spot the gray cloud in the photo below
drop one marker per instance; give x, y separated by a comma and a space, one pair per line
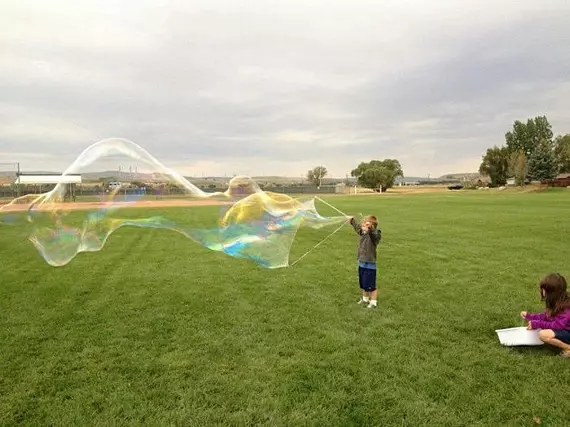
277, 87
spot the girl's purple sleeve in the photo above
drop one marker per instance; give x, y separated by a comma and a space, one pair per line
536, 316
562, 321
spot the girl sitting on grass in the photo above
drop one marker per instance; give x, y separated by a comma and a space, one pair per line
554, 322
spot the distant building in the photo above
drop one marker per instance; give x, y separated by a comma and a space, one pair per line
400, 181
340, 188
562, 180
48, 178
38, 182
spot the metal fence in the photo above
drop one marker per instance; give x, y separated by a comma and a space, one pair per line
12, 190
8, 174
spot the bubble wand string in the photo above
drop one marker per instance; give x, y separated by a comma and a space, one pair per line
317, 245
326, 238
331, 206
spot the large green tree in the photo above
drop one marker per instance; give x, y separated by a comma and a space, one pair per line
562, 153
527, 136
542, 163
495, 165
378, 174
317, 174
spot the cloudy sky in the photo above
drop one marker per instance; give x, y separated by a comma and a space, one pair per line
276, 87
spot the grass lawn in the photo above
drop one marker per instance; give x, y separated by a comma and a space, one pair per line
156, 330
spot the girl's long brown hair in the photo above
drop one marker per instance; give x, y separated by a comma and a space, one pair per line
555, 294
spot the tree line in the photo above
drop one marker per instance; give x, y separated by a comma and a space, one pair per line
530, 153
378, 175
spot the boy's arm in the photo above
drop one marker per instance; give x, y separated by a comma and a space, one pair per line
375, 234
355, 225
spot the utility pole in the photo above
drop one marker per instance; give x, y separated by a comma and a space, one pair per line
18, 178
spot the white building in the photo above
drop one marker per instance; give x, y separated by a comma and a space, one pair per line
41, 179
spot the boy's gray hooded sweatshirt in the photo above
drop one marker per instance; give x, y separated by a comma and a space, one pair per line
367, 243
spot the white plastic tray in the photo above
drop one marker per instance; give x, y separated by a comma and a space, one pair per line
518, 336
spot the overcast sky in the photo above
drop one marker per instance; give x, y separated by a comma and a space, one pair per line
276, 87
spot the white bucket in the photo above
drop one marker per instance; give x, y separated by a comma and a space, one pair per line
518, 336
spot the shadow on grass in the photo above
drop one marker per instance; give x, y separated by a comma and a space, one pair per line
536, 350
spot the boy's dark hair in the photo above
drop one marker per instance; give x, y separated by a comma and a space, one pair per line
555, 294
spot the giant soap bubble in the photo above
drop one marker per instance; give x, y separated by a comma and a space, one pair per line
253, 224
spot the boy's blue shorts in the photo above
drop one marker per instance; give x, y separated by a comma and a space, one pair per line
562, 335
367, 279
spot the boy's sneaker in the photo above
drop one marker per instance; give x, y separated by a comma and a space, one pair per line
362, 302
371, 305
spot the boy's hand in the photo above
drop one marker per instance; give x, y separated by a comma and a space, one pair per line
523, 314
529, 327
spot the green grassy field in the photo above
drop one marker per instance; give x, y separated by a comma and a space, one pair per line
156, 330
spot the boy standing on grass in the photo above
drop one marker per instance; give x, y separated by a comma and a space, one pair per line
370, 236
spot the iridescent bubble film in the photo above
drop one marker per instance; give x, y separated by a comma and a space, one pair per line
253, 224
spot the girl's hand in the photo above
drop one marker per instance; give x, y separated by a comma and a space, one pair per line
523, 314
529, 327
